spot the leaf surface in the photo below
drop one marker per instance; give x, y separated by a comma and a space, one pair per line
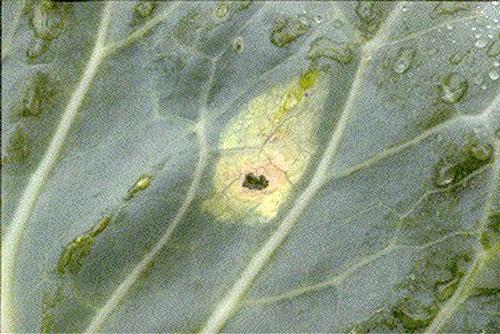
250, 167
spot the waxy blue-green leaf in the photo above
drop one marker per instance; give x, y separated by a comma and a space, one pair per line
250, 166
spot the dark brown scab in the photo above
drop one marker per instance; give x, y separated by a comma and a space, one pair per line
253, 182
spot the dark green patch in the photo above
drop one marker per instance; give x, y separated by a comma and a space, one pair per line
325, 48
442, 112
288, 30
49, 304
18, 148
193, 26
143, 9
490, 235
432, 282
47, 18
36, 95
71, 259
459, 164
370, 15
449, 8
37, 48
253, 182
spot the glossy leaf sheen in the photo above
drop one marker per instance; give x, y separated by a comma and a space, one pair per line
113, 123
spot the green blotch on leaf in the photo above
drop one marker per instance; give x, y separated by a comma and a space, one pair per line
18, 148
47, 19
370, 15
71, 259
140, 185
323, 47
288, 30
144, 9
459, 164
36, 94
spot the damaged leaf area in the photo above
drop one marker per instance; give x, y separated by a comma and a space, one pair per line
250, 167
273, 141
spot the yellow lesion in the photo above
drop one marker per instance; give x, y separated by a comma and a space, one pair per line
272, 136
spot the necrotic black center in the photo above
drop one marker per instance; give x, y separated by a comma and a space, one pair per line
253, 182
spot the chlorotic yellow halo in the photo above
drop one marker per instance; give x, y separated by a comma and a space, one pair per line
271, 142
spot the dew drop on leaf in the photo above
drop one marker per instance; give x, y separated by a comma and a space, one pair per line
404, 60
238, 44
493, 49
493, 74
454, 86
480, 43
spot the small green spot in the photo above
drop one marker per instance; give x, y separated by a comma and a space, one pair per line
454, 86
308, 79
144, 9
460, 164
288, 30
140, 185
493, 49
238, 44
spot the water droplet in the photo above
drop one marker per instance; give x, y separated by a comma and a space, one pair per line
238, 44
478, 79
144, 8
324, 47
474, 28
456, 58
480, 43
318, 19
493, 49
449, 27
496, 63
404, 60
445, 173
454, 87
484, 87
338, 23
222, 9
493, 75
